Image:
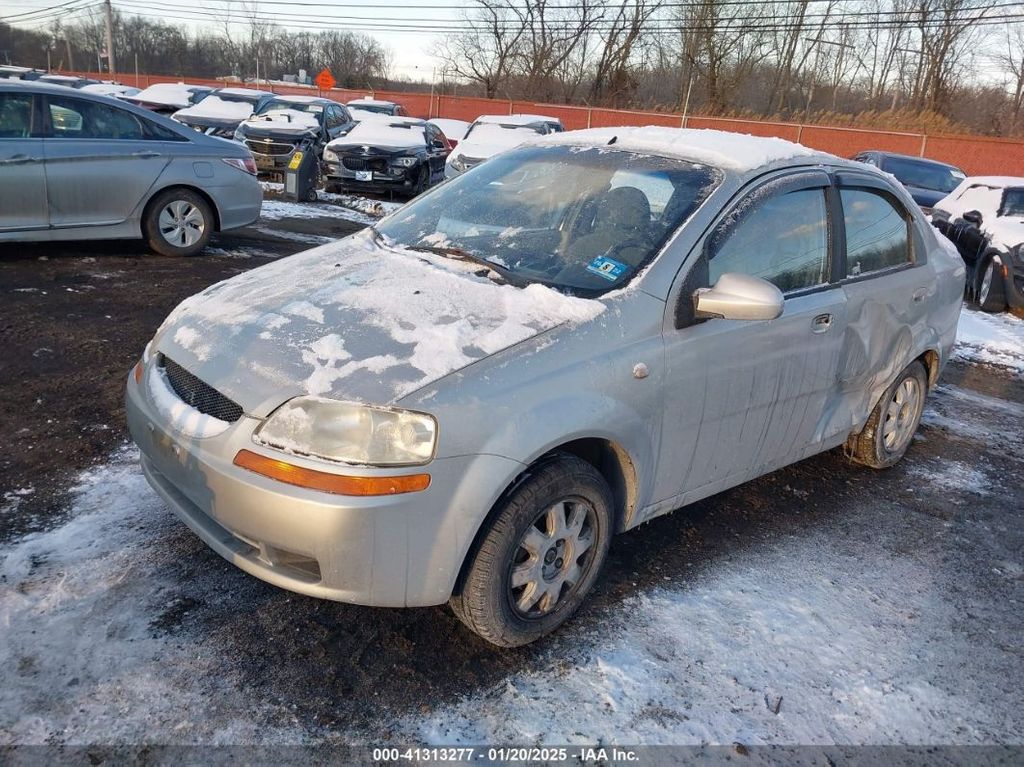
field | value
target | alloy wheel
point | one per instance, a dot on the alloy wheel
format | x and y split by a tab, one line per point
181	223
901	415
552	557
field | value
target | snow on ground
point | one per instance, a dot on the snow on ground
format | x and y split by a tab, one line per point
996	339
370	206
78	607
818	638
274	210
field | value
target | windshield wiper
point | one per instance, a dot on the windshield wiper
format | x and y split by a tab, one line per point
460	254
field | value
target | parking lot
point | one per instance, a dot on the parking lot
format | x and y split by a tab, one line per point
821	603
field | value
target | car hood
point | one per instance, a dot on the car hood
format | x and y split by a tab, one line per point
1004	232
926	198
354	320
483	149
290	121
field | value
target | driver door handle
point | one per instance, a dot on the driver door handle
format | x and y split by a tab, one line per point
146	154
919	295
821	323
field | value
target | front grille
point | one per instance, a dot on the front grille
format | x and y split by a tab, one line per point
199	395
271	148
354	163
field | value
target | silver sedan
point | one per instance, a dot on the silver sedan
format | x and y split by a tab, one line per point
465	402
80	166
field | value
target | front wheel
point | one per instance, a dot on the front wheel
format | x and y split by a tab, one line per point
540	556
178	222
892	424
991	296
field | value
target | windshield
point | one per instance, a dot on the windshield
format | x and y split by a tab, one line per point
381	109
924	175
1013	202
235	98
276	105
487	131
581	220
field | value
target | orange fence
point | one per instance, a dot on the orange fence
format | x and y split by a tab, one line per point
977	155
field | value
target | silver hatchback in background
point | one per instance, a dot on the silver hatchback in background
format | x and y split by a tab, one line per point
79	166
465	402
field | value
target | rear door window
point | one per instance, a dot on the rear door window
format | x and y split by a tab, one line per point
15	115
81	119
877	232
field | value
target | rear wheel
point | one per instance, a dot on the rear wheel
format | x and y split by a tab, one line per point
991	295
178	222
892	424
540	556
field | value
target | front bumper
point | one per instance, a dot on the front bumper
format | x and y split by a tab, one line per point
388	551
395	179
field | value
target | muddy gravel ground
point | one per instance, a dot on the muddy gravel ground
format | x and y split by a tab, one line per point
822	603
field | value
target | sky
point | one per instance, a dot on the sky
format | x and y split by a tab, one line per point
410	55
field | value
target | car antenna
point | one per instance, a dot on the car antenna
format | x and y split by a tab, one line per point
612	140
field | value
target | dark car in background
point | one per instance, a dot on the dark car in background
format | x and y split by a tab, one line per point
378	106
928	181
221	112
287	124
387	154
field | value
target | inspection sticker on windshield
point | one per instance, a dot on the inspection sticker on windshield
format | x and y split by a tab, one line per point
608	268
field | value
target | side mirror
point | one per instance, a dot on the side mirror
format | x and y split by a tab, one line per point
972	217
438	144
739	297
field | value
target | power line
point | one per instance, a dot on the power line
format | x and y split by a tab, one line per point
53	10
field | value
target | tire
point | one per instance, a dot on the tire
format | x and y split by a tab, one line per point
524	536
177	222
991	290
891	427
422	181
332	188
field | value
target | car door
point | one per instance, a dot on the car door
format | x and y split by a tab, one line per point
745	397
887	287
93	146
23	187
437	151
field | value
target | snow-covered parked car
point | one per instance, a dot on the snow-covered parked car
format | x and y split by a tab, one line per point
378	106
221	112
68	81
984	217
287	124
491	134
386	154
167	98
453	130
464	402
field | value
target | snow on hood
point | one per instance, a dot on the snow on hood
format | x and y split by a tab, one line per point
1004	232
284	120
720	149
215	107
382	135
354	320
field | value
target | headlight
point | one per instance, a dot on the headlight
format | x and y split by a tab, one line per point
330	156
405	162
458	163
239	135
348	433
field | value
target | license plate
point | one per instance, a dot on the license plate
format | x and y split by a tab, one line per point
263	161
364	175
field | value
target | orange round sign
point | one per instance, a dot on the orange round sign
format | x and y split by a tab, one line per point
325	80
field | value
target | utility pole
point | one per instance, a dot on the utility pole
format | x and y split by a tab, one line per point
110	37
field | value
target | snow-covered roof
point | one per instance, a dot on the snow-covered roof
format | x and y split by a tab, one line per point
110	89
301	99
453	129
721	149
172	94
517	119
60	78
242	92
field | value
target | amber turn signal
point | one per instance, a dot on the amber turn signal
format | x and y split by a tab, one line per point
139	369
326	482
